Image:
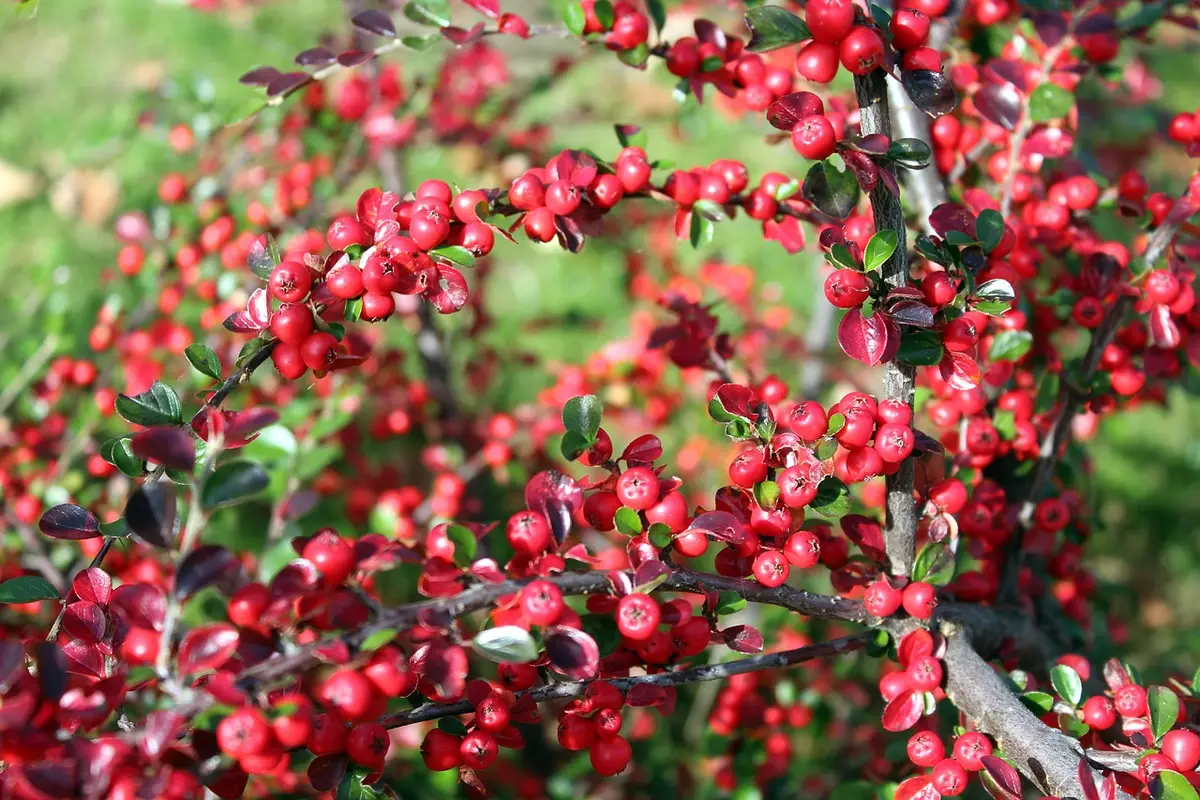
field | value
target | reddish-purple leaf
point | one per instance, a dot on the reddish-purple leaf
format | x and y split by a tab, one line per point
735	399
743	638
959	370
333	651
952	217
462	36
930	91
645	449
557	496
488	571
150	512
569	233
649	575
52	667
904	711
572	652
158	733
1006	70
374	21
97	761
788	232
645	695
93	584
174	448
1163	330
207	647
204	566
298	578
254	318
866	533
315	57
326	772
1008	782
85	620
489	8
866	171
1049	142
12	664
259	76
142	605
1051	26
720	525
83	658
912	312
287	82
69	521
790	109
1115	674
52	778
448	292
353	58
866	339
999	103
917	788
1086	781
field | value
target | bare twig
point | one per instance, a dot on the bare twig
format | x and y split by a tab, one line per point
29	370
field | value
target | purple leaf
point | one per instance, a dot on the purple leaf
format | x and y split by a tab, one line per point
866	533
315	57
1008	782
448	293
645	449
142	605
788	110
930	91
743	639
68	521
374	21
999	103
207	647
326	772
557	496
952	217
720	525
868	339
287	83
572	652
150	513
649	575
912	312
52	668
203	566
174	448
353	58
1051	26
12	664
260	76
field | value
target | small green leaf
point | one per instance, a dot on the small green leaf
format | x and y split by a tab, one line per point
1049	102
452	725
709	209
1010	345
993	308
1170	785
730	602
766	494
629	522
834	192
837	421
1006	424
573	445
119	453
660	535
582	415
911	153
658	13
1067	683
378	639
935	564
507	644
773	27
435	13
465	544
787	190
739	430
354	784
158	405
420	43
989	229
456	253
839	255
273	250
26	589
631	136
960	239
833	498
353	312
1164	710
700	232
248	350
575	18
204	360
1038	702
826	448
920	348
233	483
604	12
880	249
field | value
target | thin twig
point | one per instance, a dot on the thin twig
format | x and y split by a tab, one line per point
29	370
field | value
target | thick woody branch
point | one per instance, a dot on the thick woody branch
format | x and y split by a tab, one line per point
698	674
900	533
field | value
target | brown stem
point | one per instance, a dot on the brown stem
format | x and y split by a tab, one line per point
900	532
697	674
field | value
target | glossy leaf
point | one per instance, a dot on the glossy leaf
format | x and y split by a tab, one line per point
428	12
1007	780
68	521
374	21
204	360
911	153
171	447
1010	345
158	405
743	639
833	498
233	483
870	340
1164	710
27	589
999	103
506	644
582	415
93	584
150	513
572	652
465	544
773	27
834	192
903	711
1067	684
1050	101
203	567
1170	785
207	647
932	92
880	249
920	348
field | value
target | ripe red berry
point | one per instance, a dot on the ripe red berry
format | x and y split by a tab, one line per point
610	755
288	361
345	232
829	20
248	603
245	732
319	351
670	510
345	282
894	442
293	728
814	138
492	714
748	468
862	50
351	695
881	599
637	488
575	732
925	673
909	28
539	224
895	411
847	288
1161	286
368	744
606	191
562	197
332	555
441	750
389	672
292	324
1099	712
290	282
529	532
478	749
771	568
607	722
817	62
949	778
922	58
803	549
919	599
527	193
808	420
1130	700
1182	747
970	748
638	616
542	603
925	749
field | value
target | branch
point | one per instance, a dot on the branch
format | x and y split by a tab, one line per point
704	672
900	533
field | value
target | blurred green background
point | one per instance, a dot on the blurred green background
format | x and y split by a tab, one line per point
78	75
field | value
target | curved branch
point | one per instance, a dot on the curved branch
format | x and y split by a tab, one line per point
704	672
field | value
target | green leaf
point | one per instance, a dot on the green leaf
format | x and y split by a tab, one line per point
710	209
773	27
1006	424
700	232
26	589
911	153
880	249
509	644
204	360
604	12
1050	101
989	229
834	192
787	190
119	453
766	494
456	253
273	250
420	43
934	564
582	415
1038	702
575	18
826	448
353	312
1164	710
631	136
730	602
837	421
1010	345
354	785
1170	785
248	350
158	405
1067	683
920	348
932	250
833	498
233	483
629	522
993	308
453	726
660	534
739	430
378	639
960	239
658	13
465	544
573	445
431	12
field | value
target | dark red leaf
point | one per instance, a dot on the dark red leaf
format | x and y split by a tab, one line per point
158	732
287	82
204	566
930	91
917	788
462	36
557	496
374	21
866	339
1051	26
1006	70
790	109
720	525
85	620
866	171
83	658
999	103
735	399
570	235
1086	781
326	772
645	695
571	652
150	513
12	663
353	58
866	533
298	578
952	217
959	370
259	76
93	584
207	647
650	573
1163	330
1006	778
645	449
142	605
333	651
174	448
448	292
912	312
788	232
52	778
69	521
904	711
1115	674
743	638
913	645
315	57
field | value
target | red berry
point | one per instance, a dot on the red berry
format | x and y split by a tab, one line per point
894	442
638	616
290	282
925	673
346	232
950	495
1182	747
575	732
817	62
441	750
1130	700
542	603
389	672
949	778
881	599
925	749
847	288
808	420
478	749
539	224
919	599
909	28
970	748
562	197
350	694
610	755
292	324
245	732
529	532
288	361
814	138
345	282
771	568
319	351
637	488
492	714
922	58
607	722
748	468
332	555
861	51
527	193
293	728
368	744
1099	713
670	510
829	20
